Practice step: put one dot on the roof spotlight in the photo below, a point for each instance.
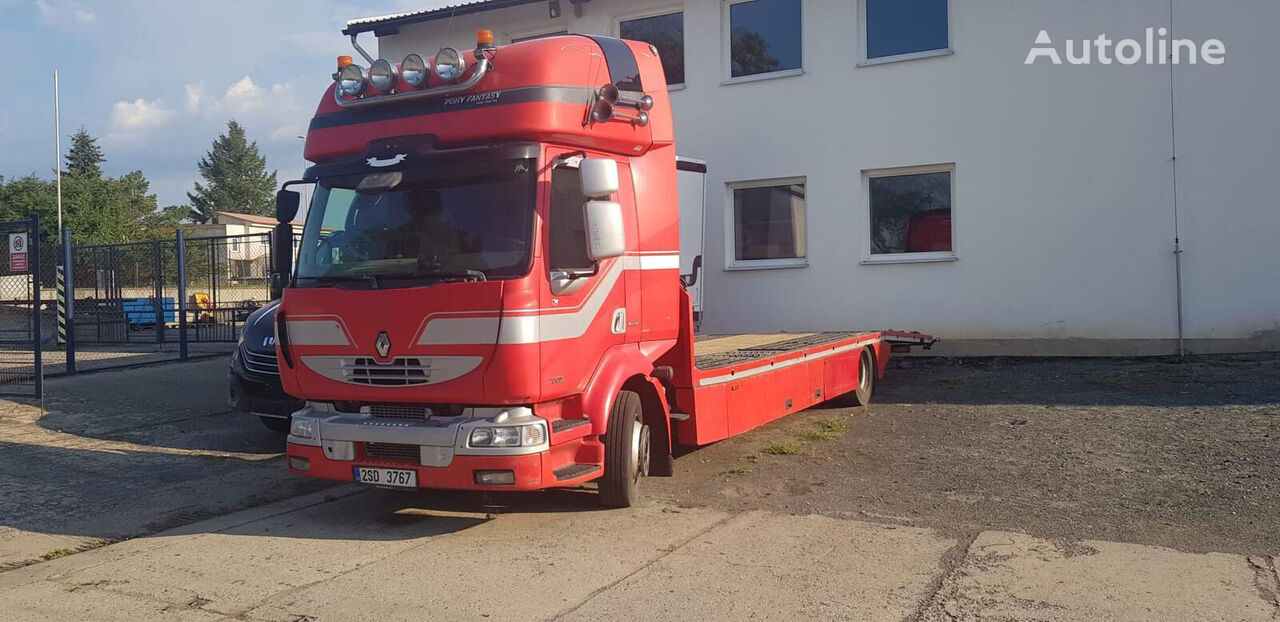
(449, 64)
(383, 75)
(413, 70)
(351, 80)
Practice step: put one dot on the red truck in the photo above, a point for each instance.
(488, 292)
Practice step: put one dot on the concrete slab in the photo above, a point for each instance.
(766, 566)
(517, 567)
(233, 569)
(112, 457)
(1008, 576)
(55, 602)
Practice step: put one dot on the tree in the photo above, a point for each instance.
(236, 178)
(749, 54)
(162, 223)
(85, 158)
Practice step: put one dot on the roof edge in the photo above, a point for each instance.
(390, 24)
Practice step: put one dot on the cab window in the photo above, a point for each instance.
(567, 246)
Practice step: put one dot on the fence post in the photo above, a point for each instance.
(67, 301)
(182, 296)
(33, 248)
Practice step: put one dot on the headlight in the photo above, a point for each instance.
(509, 436)
(351, 80)
(413, 70)
(382, 75)
(449, 64)
(303, 427)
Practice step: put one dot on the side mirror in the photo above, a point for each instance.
(599, 177)
(606, 235)
(287, 202)
(281, 256)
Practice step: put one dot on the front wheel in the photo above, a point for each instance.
(626, 451)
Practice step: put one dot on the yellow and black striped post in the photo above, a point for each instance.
(62, 305)
(67, 301)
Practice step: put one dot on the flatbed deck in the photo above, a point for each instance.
(716, 351)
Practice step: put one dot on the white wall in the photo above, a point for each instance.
(1063, 202)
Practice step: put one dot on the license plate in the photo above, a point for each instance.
(398, 478)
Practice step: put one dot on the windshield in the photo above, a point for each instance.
(473, 221)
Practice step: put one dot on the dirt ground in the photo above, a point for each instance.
(1178, 454)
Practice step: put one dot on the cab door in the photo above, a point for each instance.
(583, 303)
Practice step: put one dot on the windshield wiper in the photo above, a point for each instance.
(348, 278)
(449, 275)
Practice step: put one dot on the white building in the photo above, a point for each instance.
(1059, 182)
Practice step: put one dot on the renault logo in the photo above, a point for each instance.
(383, 344)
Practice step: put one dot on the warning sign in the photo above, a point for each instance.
(17, 252)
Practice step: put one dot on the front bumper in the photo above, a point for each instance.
(262, 396)
(436, 448)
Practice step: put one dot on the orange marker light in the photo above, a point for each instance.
(343, 61)
(484, 38)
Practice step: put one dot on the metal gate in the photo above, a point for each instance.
(121, 294)
(227, 278)
(21, 365)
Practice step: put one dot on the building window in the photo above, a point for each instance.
(763, 38)
(910, 212)
(768, 223)
(567, 246)
(529, 37)
(904, 29)
(664, 32)
(235, 244)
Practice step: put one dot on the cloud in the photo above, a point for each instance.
(195, 94)
(131, 121)
(140, 114)
(65, 14)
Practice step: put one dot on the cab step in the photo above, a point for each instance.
(677, 416)
(574, 471)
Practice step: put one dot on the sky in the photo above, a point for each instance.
(156, 80)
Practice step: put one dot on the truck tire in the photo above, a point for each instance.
(866, 378)
(626, 451)
(275, 424)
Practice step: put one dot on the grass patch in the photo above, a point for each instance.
(782, 448)
(827, 430)
(818, 435)
(835, 426)
(739, 471)
(57, 553)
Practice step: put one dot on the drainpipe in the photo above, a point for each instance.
(1177, 242)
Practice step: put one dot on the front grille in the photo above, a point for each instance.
(260, 363)
(399, 372)
(393, 451)
(400, 411)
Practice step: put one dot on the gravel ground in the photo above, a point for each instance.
(1178, 454)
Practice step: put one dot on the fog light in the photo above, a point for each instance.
(493, 478)
(299, 464)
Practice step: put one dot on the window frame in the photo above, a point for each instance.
(869, 258)
(863, 61)
(726, 50)
(657, 12)
(731, 261)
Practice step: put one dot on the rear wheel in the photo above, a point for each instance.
(626, 451)
(866, 379)
(275, 424)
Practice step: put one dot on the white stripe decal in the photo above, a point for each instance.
(459, 331)
(539, 325)
(784, 364)
(325, 332)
